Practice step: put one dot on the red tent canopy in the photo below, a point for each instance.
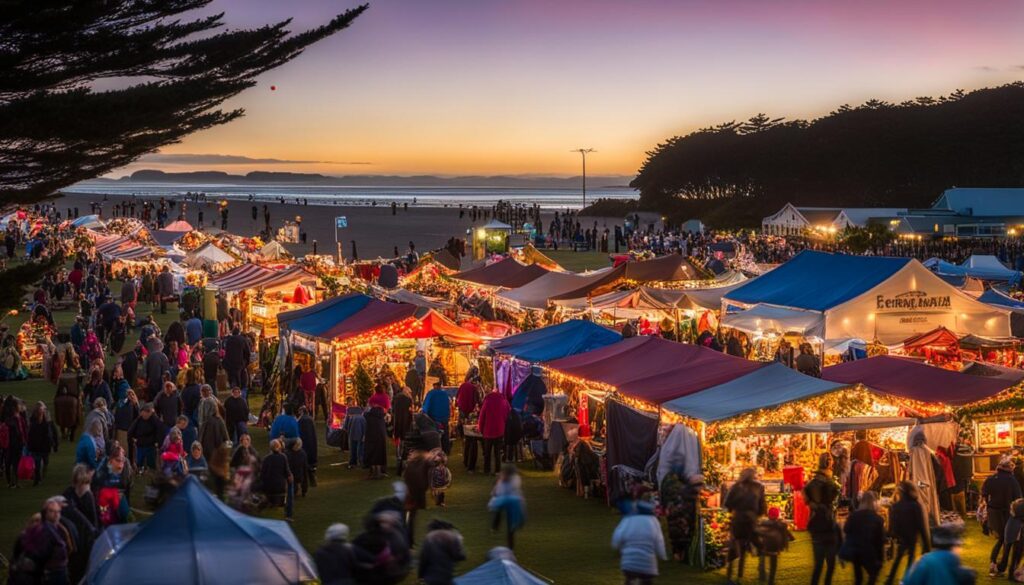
(434, 324)
(507, 273)
(938, 337)
(914, 380)
(654, 369)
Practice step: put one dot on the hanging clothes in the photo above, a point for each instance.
(681, 448)
(922, 473)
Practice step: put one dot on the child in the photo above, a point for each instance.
(440, 479)
(775, 537)
(507, 496)
(1014, 538)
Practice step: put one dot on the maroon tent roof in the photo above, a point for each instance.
(911, 379)
(507, 273)
(654, 369)
(374, 315)
(671, 267)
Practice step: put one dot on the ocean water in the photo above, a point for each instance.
(354, 195)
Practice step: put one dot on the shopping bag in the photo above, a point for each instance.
(26, 468)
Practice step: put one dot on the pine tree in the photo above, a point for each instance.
(173, 71)
(363, 383)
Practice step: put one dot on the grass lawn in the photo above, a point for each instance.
(578, 261)
(565, 538)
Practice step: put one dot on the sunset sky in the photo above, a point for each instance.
(503, 87)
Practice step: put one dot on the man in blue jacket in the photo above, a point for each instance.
(437, 405)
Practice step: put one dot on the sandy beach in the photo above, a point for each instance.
(375, 231)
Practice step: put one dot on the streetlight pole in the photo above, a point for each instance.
(583, 152)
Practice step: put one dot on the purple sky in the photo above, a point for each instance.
(487, 86)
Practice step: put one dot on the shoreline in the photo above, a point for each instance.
(375, 230)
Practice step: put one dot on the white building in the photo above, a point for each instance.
(793, 220)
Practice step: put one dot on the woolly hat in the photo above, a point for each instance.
(336, 532)
(774, 513)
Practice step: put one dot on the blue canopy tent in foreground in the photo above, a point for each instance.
(499, 572)
(765, 387)
(195, 538)
(557, 341)
(994, 297)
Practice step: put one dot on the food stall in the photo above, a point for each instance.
(261, 293)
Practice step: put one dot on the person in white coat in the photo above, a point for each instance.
(640, 543)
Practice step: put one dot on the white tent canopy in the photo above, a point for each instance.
(207, 256)
(273, 250)
(764, 318)
(535, 294)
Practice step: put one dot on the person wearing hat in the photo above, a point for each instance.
(640, 543)
(942, 565)
(998, 492)
(336, 558)
(774, 537)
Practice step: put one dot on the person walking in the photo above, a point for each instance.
(236, 414)
(442, 549)
(298, 463)
(146, 433)
(821, 494)
(1014, 545)
(355, 427)
(494, 413)
(507, 498)
(865, 540)
(907, 524)
(438, 407)
(746, 502)
(773, 538)
(275, 475)
(998, 492)
(213, 433)
(307, 433)
(942, 565)
(42, 439)
(401, 419)
(640, 543)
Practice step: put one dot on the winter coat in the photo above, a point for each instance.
(213, 434)
(440, 551)
(355, 423)
(773, 536)
(168, 407)
(865, 539)
(375, 450)
(493, 416)
(336, 562)
(42, 436)
(307, 432)
(274, 472)
(1000, 490)
(907, 523)
(820, 494)
(417, 479)
(747, 503)
(640, 543)
(437, 406)
(157, 365)
(146, 433)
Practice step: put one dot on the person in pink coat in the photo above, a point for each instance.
(493, 414)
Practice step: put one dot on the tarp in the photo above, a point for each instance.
(654, 369)
(243, 277)
(978, 266)
(499, 572)
(939, 337)
(817, 281)
(274, 250)
(88, 221)
(166, 238)
(761, 318)
(445, 259)
(179, 226)
(402, 295)
(557, 341)
(507, 273)
(632, 439)
(910, 379)
(344, 317)
(766, 387)
(986, 370)
(434, 324)
(195, 538)
(669, 268)
(208, 255)
(995, 297)
(839, 425)
(978, 342)
(535, 295)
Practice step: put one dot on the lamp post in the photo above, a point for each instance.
(583, 152)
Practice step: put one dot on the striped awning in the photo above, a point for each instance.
(249, 276)
(121, 248)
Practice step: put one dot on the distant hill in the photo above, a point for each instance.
(877, 154)
(258, 177)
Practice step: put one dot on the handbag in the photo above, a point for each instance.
(26, 467)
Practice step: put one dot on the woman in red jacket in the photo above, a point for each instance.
(493, 414)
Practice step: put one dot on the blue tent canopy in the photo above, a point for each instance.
(556, 341)
(195, 538)
(994, 297)
(817, 281)
(317, 319)
(499, 572)
(763, 388)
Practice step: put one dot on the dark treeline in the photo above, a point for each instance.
(878, 154)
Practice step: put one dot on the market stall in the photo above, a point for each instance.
(354, 337)
(261, 293)
(873, 298)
